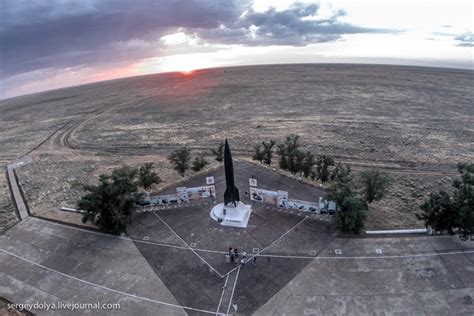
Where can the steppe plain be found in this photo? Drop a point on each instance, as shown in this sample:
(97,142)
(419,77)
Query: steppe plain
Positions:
(415,123)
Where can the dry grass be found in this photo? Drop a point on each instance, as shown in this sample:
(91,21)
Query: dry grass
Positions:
(415,123)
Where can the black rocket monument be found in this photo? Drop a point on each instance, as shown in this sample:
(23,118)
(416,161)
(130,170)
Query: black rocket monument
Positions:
(232,212)
(231,194)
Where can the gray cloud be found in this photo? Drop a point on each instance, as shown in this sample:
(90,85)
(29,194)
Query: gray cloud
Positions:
(295,26)
(37,35)
(465,39)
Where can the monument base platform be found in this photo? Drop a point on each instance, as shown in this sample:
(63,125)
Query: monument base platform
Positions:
(237,216)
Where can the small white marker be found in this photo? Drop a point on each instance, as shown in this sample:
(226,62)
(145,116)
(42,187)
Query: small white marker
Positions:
(313,252)
(338,251)
(255,250)
(378,250)
(192,245)
(146,238)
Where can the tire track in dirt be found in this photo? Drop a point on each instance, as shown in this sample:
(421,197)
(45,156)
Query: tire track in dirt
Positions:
(356,163)
(63,139)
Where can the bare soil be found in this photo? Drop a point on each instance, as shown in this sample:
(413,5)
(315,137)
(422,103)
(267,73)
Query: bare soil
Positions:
(415,123)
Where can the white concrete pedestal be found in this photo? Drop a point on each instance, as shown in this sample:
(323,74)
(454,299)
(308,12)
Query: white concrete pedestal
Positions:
(237,216)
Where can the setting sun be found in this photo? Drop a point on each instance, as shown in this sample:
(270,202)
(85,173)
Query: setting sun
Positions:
(185,63)
(187,72)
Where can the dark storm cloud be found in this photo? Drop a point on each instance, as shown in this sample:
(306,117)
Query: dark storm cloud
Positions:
(52,34)
(465,39)
(38,35)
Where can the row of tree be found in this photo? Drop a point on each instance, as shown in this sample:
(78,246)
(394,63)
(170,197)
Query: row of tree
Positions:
(352,193)
(181,161)
(442,211)
(295,159)
(110,203)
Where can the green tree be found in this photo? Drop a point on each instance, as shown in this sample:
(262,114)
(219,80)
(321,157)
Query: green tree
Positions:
(147,176)
(463,199)
(218,152)
(308,164)
(351,207)
(297,162)
(111,203)
(335,171)
(351,215)
(199,163)
(322,166)
(455,213)
(439,212)
(374,184)
(258,154)
(180,159)
(342,186)
(268,151)
(290,153)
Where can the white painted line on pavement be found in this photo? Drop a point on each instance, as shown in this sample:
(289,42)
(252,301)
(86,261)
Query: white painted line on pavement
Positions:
(397,231)
(257,255)
(123,237)
(233,289)
(105,287)
(207,263)
(222,295)
(455,253)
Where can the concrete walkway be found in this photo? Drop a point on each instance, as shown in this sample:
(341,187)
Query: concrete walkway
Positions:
(383,276)
(44,262)
(228,290)
(15,188)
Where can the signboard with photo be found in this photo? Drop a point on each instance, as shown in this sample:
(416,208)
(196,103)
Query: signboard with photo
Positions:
(208,191)
(253,182)
(201,192)
(265,196)
(303,205)
(194,193)
(270,197)
(182,193)
(282,199)
(164,199)
(256,194)
(209,180)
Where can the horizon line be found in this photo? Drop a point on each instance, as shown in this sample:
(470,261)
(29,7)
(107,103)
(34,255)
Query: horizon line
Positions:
(452,67)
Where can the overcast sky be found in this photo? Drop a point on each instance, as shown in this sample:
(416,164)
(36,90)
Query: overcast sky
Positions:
(51,44)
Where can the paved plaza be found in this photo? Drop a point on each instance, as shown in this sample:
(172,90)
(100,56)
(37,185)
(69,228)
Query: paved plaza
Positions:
(47,262)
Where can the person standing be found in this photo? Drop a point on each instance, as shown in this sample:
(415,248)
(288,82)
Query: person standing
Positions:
(254,260)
